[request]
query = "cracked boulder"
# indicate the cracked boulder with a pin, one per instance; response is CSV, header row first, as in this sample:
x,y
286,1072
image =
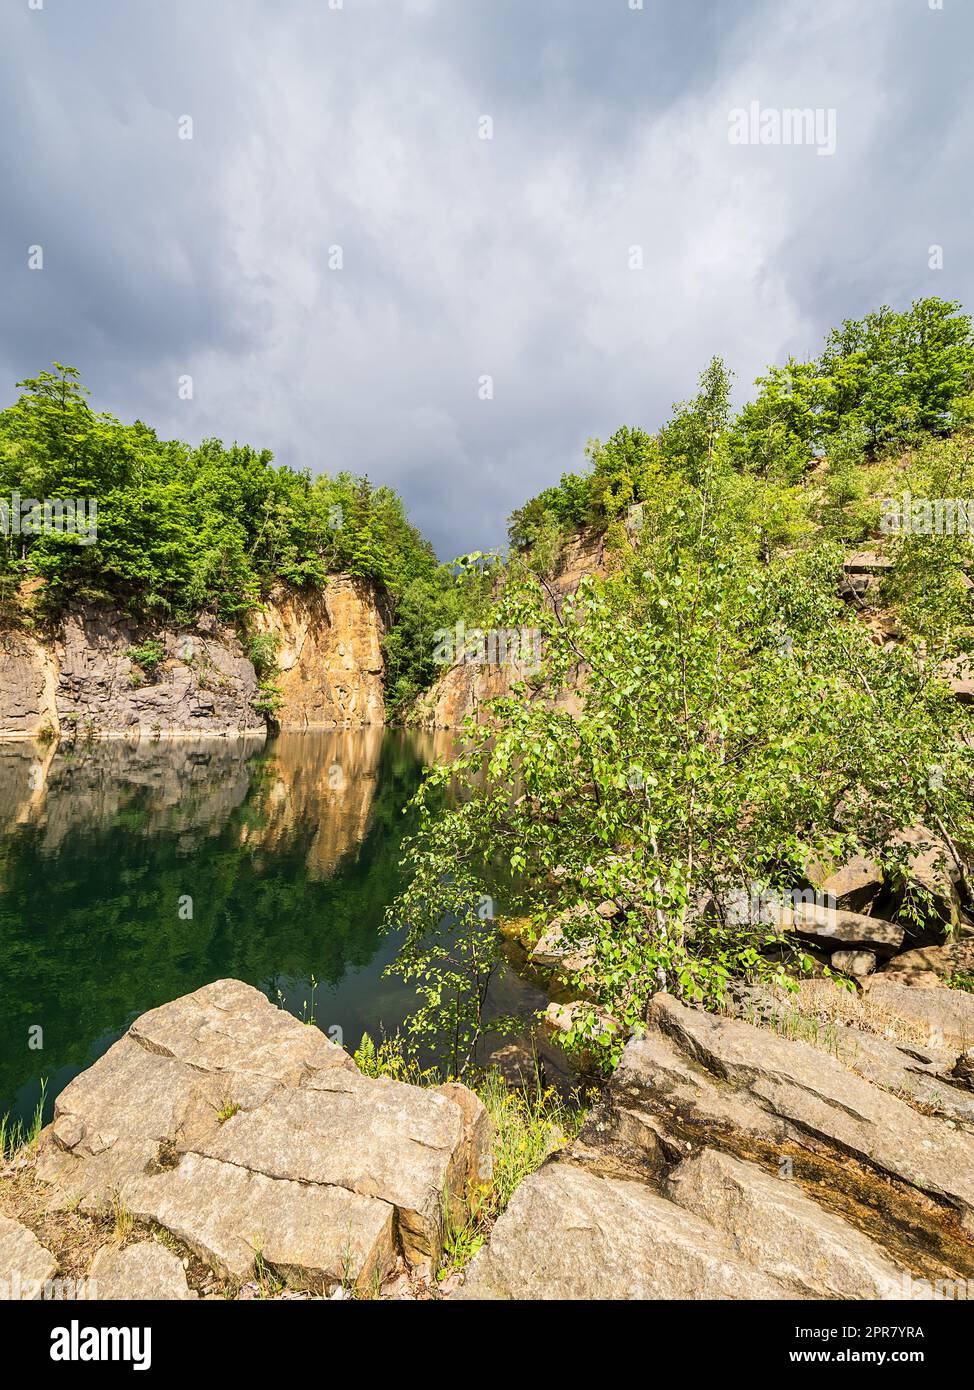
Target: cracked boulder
x,y
725,1160
251,1136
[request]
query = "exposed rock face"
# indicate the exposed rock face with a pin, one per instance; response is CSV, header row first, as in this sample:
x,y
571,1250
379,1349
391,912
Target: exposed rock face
x,y
944,1017
203,685
145,1270
563,945
774,1226
25,1265
854,885
848,930
577,1234
904,1060
931,869
465,689
88,680
27,686
728,1161
956,958
329,654
246,1133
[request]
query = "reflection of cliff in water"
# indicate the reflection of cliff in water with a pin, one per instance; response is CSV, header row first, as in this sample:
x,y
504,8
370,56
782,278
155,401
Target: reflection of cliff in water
x,y
323,787
315,789
133,873
187,788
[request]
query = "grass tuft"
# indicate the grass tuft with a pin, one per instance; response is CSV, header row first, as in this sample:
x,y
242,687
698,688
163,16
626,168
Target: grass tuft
x,y
19,1140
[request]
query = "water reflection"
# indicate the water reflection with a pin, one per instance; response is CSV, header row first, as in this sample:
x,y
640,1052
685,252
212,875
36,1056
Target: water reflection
x,y
132,873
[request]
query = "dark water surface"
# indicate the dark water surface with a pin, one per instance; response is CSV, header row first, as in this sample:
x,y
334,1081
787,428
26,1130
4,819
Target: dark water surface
x,y
288,851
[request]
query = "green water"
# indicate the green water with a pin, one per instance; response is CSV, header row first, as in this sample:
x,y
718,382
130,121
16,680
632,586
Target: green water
x,y
288,854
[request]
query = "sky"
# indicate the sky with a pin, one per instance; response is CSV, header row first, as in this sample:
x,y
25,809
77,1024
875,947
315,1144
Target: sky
x,y
446,242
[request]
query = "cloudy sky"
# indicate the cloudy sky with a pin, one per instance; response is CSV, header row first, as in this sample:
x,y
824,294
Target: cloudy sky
x,y
360,125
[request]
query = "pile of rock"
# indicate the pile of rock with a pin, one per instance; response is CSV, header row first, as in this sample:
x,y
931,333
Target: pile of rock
x,y
851,916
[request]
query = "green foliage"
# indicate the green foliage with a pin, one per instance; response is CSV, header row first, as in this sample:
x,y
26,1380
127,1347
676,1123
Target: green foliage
x,y
736,719
624,471
775,434
927,585
436,596
18,1139
391,1057
898,374
885,379
632,467
262,649
182,529
688,442
149,656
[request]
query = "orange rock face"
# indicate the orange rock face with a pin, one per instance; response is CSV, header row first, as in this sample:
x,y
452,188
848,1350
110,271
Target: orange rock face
x,y
329,654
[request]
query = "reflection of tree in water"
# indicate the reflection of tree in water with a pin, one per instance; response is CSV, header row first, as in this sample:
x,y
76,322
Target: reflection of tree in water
x,y
289,867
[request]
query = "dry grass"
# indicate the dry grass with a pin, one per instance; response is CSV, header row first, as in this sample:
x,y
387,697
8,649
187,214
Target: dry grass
x,y
72,1238
824,1002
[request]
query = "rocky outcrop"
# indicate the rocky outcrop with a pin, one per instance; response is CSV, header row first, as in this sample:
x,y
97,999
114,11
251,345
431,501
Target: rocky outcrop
x,y
202,683
878,1040
103,673
943,1017
254,1140
728,1161
145,1270
836,928
89,681
329,654
943,961
465,689
28,686
26,1266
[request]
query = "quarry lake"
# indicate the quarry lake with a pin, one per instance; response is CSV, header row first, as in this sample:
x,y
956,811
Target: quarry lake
x,y
134,873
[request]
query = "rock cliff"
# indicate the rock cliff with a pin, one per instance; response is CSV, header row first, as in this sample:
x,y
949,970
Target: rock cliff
x,y
329,655
466,688
103,673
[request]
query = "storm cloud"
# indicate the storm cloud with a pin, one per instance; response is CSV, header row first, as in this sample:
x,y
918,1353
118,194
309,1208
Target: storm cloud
x,y
353,133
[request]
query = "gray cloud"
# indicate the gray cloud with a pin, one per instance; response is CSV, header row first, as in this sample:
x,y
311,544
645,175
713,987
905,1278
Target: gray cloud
x,y
462,257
